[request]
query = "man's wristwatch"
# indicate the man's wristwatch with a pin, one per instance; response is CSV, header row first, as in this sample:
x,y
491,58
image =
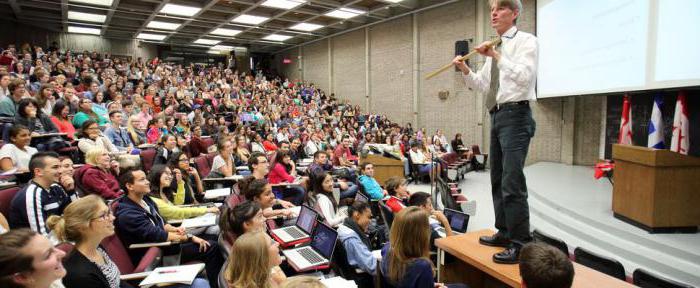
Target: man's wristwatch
x,y
189,237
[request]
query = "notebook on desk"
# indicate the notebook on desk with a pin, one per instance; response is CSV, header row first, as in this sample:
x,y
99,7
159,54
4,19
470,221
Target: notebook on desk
x,y
183,274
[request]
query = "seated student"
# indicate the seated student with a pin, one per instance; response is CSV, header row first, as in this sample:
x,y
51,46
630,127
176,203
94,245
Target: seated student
x,y
86,222
41,197
320,197
86,113
370,185
542,265
405,259
284,171
91,137
396,187
99,175
30,116
236,221
437,218
136,131
118,135
224,164
259,191
342,156
167,145
59,117
196,146
192,183
167,197
353,235
139,221
348,189
16,154
418,157
254,262
28,259
66,176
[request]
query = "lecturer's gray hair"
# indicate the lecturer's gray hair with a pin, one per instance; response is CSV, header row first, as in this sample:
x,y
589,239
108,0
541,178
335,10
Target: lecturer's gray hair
x,y
511,4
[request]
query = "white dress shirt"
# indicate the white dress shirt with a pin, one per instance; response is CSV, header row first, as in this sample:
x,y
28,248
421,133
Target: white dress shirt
x,y
518,68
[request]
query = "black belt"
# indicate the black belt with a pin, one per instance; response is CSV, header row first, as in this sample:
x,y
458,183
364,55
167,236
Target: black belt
x,y
507,104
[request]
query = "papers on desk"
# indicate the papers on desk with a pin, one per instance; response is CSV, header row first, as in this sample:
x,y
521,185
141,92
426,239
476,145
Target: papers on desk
x,y
12,171
229,178
49,135
183,274
306,161
338,282
205,220
217,193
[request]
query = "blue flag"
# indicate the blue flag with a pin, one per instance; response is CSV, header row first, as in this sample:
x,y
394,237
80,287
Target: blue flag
x,y
656,125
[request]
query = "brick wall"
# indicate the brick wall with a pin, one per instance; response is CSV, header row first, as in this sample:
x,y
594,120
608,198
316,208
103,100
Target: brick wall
x,y
349,67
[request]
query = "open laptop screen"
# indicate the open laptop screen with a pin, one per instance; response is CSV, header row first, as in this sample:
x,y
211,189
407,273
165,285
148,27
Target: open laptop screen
x,y
306,219
458,220
359,197
324,240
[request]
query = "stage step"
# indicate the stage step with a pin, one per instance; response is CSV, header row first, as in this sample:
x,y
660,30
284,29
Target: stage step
x,y
566,202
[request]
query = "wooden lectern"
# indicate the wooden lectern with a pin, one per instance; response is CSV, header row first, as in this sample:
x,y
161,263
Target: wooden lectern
x,y
384,167
656,190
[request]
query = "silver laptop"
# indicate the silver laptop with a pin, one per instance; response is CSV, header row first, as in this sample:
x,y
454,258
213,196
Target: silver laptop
x,y
302,229
458,222
318,253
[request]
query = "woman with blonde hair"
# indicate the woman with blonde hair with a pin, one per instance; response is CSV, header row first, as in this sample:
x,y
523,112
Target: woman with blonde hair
x,y
406,257
99,175
86,222
254,262
135,128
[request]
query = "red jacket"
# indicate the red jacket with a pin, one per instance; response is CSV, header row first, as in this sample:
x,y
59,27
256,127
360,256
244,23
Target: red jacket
x,y
278,175
395,204
96,181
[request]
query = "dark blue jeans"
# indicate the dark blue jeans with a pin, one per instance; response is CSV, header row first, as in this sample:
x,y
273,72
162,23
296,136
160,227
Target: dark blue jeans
x,y
512,127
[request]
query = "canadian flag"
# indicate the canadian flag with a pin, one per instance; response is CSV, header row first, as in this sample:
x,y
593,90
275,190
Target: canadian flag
x,y
625,135
680,141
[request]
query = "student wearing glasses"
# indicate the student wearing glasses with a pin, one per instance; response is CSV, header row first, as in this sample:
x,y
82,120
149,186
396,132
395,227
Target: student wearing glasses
x,y
192,181
85,113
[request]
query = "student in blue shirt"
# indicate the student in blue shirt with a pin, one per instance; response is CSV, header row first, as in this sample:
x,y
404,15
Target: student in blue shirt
x,y
353,235
370,185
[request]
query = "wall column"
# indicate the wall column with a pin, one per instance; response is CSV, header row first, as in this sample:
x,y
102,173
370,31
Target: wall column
x,y
416,68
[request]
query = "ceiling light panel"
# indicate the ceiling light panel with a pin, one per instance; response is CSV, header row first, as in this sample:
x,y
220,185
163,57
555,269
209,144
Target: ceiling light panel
x,y
180,10
306,27
87,17
94,2
250,19
83,30
163,25
277,37
225,32
207,41
222,48
282,4
344,13
149,36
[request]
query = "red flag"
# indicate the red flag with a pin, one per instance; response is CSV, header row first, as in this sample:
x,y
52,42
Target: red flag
x,y
625,134
680,141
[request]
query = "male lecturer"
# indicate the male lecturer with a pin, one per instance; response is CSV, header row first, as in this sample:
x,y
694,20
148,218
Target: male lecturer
x,y
507,80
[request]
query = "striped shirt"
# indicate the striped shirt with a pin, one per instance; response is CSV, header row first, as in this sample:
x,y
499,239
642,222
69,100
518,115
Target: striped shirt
x,y
33,204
